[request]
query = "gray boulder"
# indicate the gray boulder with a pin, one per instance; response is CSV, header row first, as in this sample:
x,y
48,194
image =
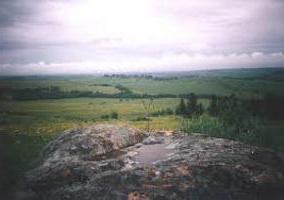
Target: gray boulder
x,y
119,162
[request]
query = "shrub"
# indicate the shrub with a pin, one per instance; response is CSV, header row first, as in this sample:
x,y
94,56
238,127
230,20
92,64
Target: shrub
x,y
114,115
141,119
203,124
166,111
246,130
105,117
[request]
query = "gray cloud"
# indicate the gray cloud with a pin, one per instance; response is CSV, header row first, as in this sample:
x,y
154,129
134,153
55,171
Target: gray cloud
x,y
13,12
166,62
52,31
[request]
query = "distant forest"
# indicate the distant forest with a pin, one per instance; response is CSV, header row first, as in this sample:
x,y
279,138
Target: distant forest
x,y
54,92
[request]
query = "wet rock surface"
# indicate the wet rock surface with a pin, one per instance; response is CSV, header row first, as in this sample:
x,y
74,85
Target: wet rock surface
x,y
119,162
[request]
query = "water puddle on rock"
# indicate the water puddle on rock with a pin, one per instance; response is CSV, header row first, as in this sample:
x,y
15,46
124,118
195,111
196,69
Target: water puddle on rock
x,y
148,154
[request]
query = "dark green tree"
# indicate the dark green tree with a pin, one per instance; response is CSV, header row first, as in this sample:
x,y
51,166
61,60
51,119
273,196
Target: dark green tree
x,y
213,108
181,108
192,107
200,109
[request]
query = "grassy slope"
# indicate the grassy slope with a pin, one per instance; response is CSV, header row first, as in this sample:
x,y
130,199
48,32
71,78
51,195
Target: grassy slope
x,y
52,116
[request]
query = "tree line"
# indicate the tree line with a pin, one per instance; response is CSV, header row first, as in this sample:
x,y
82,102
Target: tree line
x,y
55,92
234,118
189,106
270,107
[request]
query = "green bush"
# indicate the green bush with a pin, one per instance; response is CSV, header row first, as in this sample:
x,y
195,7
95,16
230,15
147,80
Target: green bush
x,y
203,124
246,130
114,115
163,112
105,117
141,119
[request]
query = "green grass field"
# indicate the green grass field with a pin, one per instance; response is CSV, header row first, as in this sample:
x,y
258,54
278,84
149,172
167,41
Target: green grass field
x,y
53,116
202,85
64,84
49,117
26,126
243,83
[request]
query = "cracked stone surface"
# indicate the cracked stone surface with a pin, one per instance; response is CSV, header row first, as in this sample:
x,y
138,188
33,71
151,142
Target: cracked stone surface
x,y
120,162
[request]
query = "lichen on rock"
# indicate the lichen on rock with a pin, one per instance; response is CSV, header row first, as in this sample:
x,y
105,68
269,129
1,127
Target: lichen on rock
x,y
120,162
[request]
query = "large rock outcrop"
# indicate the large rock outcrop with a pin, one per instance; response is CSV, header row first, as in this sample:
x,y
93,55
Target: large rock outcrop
x,y
119,162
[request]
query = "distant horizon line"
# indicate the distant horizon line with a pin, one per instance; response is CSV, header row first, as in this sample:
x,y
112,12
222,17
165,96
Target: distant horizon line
x,y
138,72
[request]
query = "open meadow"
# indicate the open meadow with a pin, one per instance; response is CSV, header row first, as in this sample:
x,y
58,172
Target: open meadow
x,y
35,109
49,117
47,105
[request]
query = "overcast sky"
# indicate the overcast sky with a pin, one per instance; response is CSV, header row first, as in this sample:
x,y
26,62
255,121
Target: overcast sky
x,y
90,36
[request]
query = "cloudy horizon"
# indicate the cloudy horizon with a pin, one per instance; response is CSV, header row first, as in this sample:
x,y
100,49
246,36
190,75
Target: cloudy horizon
x,y
99,36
